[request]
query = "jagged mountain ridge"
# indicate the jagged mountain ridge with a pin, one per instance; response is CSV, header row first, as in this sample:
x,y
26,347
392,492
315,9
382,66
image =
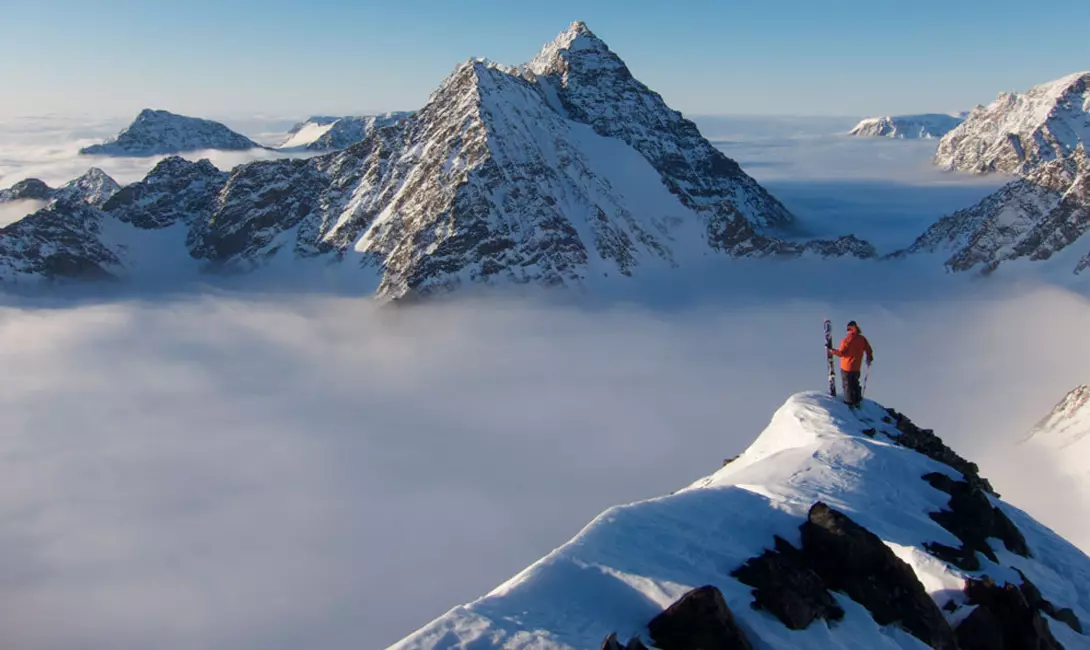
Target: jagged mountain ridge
x,y
925,126
158,132
1068,423
329,133
907,127
1020,131
506,175
1032,218
94,188
834,529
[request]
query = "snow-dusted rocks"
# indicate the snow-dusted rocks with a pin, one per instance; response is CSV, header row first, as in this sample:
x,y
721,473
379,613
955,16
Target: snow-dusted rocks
x,y
94,187
61,241
1032,218
1019,132
306,132
843,489
907,127
155,133
559,172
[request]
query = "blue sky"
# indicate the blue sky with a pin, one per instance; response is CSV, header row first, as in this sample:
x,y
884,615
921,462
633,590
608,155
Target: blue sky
x,y
289,57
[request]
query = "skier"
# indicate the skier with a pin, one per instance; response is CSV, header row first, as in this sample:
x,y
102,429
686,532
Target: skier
x,y
851,352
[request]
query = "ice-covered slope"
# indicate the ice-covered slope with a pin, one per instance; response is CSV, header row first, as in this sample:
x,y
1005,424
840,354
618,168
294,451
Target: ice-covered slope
x,y
1065,433
827,577
907,127
1018,132
1032,218
552,174
307,131
94,187
155,132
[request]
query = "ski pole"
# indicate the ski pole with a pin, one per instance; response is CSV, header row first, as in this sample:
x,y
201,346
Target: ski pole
x,y
866,375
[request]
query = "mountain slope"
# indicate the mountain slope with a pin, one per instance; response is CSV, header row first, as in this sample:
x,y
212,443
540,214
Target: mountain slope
x,y
155,133
1065,435
907,127
94,188
633,561
1020,131
1032,218
328,133
558,173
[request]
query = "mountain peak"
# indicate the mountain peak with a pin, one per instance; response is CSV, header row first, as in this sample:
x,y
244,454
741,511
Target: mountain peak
x,y
1068,422
577,38
156,132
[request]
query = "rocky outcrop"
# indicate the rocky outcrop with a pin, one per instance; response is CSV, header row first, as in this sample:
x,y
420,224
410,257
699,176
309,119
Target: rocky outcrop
x,y
28,189
972,518
1020,132
1003,620
786,586
611,643
698,621
907,127
174,191
156,132
925,441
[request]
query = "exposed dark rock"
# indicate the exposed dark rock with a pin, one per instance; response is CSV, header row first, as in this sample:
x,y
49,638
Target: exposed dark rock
x,y
611,643
950,606
927,443
787,587
981,630
963,558
59,242
31,188
972,518
1037,601
1005,618
700,620
855,561
870,432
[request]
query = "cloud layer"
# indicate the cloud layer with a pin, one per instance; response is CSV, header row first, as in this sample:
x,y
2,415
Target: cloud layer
x,y
287,472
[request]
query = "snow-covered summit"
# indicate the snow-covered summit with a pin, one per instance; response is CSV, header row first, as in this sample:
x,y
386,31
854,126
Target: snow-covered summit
x,y
835,529
1018,132
157,132
94,188
907,127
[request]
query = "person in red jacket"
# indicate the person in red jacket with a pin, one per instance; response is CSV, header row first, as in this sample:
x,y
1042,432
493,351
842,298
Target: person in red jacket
x,y
851,352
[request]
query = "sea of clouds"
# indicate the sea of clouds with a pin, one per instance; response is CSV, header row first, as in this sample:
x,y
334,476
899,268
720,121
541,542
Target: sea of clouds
x,y
243,469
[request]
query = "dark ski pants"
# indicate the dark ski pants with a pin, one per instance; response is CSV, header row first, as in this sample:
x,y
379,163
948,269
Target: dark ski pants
x,y
853,393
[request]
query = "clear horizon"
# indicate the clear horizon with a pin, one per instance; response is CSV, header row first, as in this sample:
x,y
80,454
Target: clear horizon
x,y
288,58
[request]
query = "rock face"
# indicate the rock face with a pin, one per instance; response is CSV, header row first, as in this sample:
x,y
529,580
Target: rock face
x,y
94,188
61,241
562,171
1032,218
155,133
1069,422
699,620
1003,619
1019,132
907,127
794,572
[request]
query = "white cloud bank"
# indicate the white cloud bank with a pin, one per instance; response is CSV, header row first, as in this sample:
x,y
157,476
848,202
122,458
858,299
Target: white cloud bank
x,y
226,472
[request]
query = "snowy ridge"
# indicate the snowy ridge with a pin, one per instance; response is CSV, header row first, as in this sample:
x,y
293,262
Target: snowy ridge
x,y
1020,131
1031,218
156,132
307,131
907,127
1068,424
94,187
634,561
553,174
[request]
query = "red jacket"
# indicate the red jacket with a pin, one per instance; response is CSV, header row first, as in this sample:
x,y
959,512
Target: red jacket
x,y
852,349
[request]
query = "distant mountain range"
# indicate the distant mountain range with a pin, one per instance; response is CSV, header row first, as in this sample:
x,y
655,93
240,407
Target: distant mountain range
x,y
907,127
555,172
94,188
560,170
155,133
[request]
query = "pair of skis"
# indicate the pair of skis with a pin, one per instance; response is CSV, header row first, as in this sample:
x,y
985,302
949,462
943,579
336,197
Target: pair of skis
x,y
832,368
